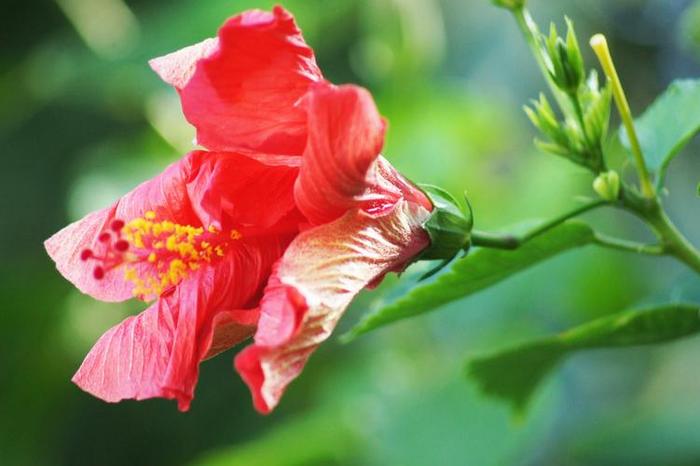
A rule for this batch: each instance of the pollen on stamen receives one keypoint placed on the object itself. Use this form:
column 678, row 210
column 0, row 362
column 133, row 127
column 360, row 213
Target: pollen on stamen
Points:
column 121, row 245
column 168, row 252
column 117, row 225
column 85, row 254
column 110, row 252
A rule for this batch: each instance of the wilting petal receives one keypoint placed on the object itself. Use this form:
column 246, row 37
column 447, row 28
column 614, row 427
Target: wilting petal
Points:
column 346, row 134
column 320, row 273
column 244, row 89
column 388, row 186
column 157, row 353
column 178, row 67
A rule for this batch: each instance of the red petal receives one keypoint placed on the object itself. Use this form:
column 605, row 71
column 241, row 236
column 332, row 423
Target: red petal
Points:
column 157, row 353
column 252, row 193
column 242, row 91
column 346, row 134
column 314, row 282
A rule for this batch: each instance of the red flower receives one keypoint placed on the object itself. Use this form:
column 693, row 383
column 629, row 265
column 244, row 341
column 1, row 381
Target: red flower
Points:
column 278, row 225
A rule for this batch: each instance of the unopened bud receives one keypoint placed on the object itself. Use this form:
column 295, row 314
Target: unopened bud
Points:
column 564, row 59
column 607, row 185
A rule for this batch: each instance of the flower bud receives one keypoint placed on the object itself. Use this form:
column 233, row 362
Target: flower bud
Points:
column 564, row 59
column 607, row 185
column 449, row 225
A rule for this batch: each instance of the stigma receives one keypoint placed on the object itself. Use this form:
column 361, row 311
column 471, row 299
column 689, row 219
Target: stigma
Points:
column 156, row 255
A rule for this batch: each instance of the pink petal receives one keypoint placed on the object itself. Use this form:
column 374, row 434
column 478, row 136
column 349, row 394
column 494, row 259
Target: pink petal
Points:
column 314, row 282
column 157, row 353
column 241, row 91
column 346, row 134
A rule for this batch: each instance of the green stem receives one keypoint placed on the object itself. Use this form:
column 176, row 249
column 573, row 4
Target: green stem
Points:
column 676, row 244
column 600, row 47
column 487, row 239
column 624, row 245
column 579, row 114
column 672, row 240
column 513, row 241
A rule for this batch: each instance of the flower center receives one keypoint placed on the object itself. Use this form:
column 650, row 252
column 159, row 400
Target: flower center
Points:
column 157, row 255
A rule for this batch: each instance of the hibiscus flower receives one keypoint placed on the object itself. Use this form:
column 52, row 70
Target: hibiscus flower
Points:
column 271, row 231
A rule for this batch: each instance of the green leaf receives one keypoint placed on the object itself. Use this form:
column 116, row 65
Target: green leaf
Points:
column 668, row 125
column 311, row 439
column 480, row 269
column 513, row 374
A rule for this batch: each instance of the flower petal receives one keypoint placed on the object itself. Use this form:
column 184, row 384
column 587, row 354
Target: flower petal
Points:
column 254, row 193
column 241, row 90
column 346, row 134
column 312, row 285
column 177, row 68
column 157, row 353
column 203, row 188
column 165, row 194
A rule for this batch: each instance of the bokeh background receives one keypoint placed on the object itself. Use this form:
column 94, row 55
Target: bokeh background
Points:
column 83, row 119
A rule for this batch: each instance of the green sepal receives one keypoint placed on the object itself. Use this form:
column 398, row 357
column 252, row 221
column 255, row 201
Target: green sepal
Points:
column 449, row 225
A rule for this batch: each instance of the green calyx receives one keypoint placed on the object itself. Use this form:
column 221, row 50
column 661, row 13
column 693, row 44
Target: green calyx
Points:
column 449, row 225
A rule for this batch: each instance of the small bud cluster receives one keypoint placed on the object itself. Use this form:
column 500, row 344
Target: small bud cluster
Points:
column 585, row 106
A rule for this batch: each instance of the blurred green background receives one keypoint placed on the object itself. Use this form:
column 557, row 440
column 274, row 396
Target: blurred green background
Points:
column 83, row 119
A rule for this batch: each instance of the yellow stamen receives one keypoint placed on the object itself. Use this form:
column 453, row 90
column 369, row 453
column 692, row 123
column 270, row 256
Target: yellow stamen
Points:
column 173, row 251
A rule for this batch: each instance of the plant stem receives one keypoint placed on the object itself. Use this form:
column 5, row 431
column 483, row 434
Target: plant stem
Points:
column 672, row 240
column 675, row 243
column 487, row 239
column 624, row 245
column 600, row 47
column 513, row 241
